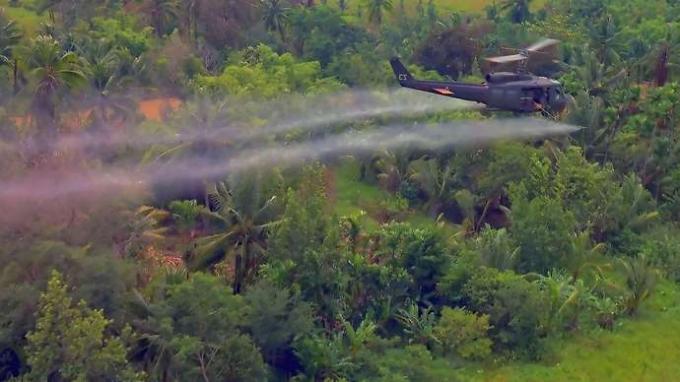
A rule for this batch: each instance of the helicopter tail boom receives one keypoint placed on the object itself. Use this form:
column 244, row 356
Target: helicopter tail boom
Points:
column 469, row 92
column 400, row 71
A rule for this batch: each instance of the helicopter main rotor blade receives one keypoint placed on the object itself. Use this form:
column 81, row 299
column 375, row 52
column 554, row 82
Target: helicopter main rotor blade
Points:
column 543, row 44
column 506, row 59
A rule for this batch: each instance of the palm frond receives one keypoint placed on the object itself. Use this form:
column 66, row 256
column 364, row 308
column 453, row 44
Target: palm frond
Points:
column 210, row 250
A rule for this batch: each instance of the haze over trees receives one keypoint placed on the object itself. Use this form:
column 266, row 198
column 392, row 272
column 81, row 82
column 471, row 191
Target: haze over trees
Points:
column 400, row 264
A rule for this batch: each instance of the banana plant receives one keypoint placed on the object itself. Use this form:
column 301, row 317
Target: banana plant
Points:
column 418, row 324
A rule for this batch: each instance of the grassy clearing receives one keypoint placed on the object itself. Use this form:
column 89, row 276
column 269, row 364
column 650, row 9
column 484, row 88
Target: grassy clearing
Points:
column 641, row 349
column 356, row 198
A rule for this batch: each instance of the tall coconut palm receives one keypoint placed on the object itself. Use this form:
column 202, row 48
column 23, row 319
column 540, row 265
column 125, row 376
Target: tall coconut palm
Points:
column 105, row 79
column 162, row 13
column 376, row 9
column 245, row 209
column 53, row 70
column 660, row 60
column 190, row 19
column 110, row 108
column 274, row 16
column 9, row 37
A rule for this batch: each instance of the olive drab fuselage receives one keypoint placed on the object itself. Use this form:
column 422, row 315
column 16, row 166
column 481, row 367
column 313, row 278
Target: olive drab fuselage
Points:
column 517, row 92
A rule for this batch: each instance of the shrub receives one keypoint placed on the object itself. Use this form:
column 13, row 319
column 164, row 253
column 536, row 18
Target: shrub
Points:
column 543, row 230
column 464, row 332
column 421, row 251
column 516, row 309
column 663, row 251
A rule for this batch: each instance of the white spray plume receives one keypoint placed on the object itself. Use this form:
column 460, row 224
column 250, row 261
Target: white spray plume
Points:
column 298, row 113
column 43, row 185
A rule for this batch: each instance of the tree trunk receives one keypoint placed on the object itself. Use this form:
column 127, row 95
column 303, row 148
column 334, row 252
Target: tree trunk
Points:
column 662, row 66
column 44, row 115
column 238, row 260
column 15, row 86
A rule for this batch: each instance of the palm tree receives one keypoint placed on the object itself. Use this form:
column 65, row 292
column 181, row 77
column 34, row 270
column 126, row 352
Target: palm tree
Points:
column 161, row 14
column 110, row 107
column 105, row 79
column 418, row 324
column 436, row 180
column 244, row 213
column 67, row 9
column 376, row 9
column 659, row 60
column 191, row 18
column 274, row 16
column 518, row 10
column 9, row 37
column 53, row 70
column 641, row 279
column 597, row 77
column 604, row 34
column 392, row 168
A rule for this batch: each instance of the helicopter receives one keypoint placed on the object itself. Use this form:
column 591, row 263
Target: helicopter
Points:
column 519, row 91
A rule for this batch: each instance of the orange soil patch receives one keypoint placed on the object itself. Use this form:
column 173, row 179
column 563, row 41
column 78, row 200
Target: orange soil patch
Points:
column 21, row 121
column 155, row 109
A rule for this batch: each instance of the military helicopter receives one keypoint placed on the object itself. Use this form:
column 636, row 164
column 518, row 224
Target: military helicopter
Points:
column 518, row 91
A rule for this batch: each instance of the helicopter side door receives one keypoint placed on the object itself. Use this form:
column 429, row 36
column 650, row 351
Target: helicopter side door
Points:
column 509, row 98
column 535, row 98
column 528, row 100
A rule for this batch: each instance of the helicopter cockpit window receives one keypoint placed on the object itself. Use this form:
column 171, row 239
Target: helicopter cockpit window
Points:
column 538, row 95
column 558, row 93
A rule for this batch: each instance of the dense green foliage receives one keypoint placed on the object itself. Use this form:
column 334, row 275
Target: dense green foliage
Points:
column 401, row 264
